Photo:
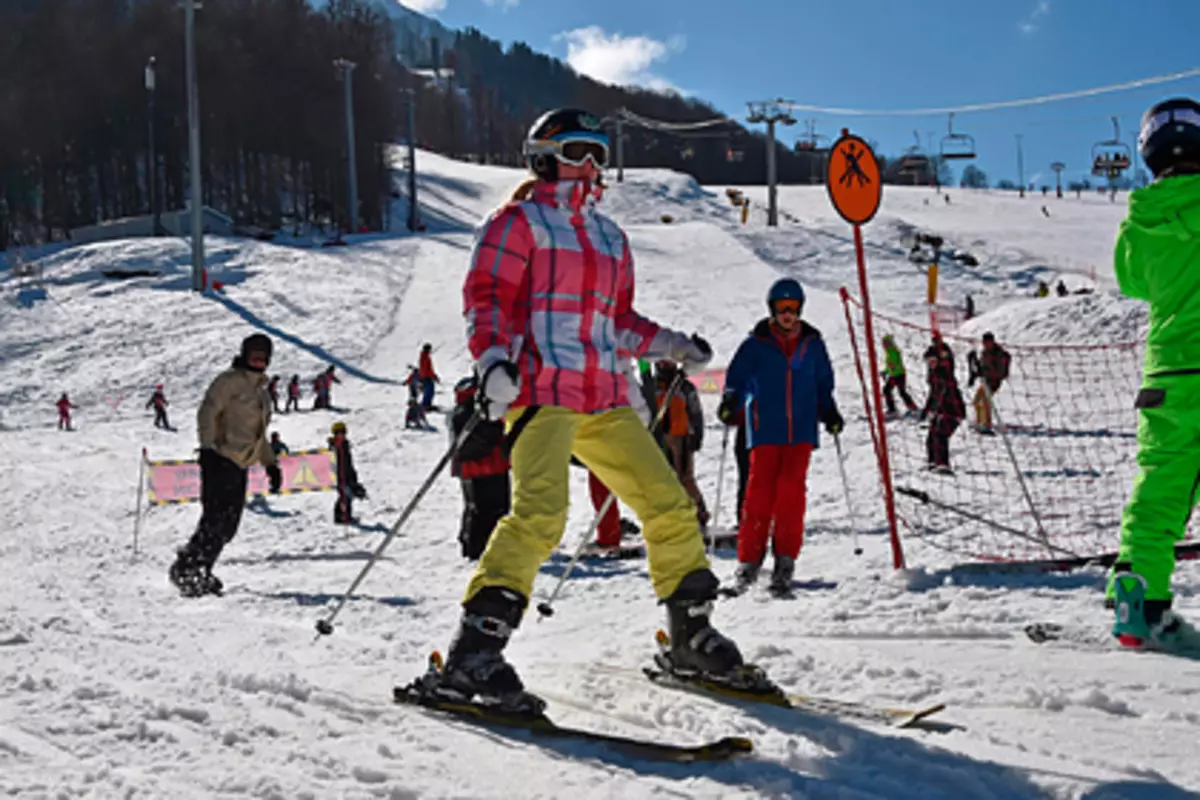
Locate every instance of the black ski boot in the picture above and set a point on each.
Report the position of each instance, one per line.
(475, 668)
(745, 577)
(191, 577)
(781, 576)
(696, 646)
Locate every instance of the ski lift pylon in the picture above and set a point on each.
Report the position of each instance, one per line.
(957, 146)
(1111, 157)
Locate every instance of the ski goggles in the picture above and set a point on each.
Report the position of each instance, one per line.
(1160, 120)
(787, 307)
(575, 149)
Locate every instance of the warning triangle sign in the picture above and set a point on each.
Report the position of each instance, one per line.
(709, 384)
(305, 478)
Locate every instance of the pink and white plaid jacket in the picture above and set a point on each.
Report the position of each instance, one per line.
(551, 288)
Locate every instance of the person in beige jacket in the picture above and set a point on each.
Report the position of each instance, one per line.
(232, 425)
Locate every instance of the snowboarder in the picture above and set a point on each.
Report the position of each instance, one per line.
(482, 467)
(944, 406)
(1157, 259)
(680, 433)
(293, 398)
(427, 376)
(64, 406)
(159, 401)
(992, 367)
(782, 380)
(895, 376)
(561, 396)
(273, 392)
(348, 487)
(232, 427)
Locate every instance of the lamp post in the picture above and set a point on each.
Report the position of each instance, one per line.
(152, 161)
(346, 68)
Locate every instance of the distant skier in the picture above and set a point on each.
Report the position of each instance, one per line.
(895, 376)
(158, 401)
(549, 305)
(782, 380)
(293, 398)
(413, 382)
(277, 445)
(944, 406)
(482, 469)
(348, 487)
(330, 380)
(415, 417)
(969, 308)
(273, 392)
(1061, 289)
(232, 427)
(1157, 259)
(992, 367)
(64, 406)
(427, 376)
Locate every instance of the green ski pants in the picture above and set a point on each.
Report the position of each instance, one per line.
(1164, 491)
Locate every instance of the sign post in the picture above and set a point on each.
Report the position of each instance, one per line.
(856, 189)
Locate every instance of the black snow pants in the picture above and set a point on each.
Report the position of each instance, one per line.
(486, 500)
(222, 498)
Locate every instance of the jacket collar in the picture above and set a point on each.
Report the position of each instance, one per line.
(576, 196)
(763, 330)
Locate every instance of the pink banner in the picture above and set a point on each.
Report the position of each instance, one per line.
(179, 481)
(711, 381)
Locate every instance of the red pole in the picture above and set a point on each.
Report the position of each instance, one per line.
(877, 393)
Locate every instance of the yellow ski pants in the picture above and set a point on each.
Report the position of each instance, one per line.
(624, 456)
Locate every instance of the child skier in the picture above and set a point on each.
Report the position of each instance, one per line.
(293, 398)
(895, 376)
(944, 407)
(482, 469)
(992, 367)
(277, 445)
(64, 406)
(1157, 259)
(159, 401)
(348, 487)
(413, 382)
(415, 418)
(273, 392)
(679, 431)
(548, 301)
(782, 380)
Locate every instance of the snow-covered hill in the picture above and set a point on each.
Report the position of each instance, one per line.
(112, 686)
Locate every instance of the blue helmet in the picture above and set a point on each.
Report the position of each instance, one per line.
(784, 289)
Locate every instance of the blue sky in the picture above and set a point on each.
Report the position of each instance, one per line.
(878, 54)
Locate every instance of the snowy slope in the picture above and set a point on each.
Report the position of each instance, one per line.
(110, 685)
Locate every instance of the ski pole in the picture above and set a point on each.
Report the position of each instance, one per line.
(837, 443)
(720, 483)
(325, 626)
(546, 607)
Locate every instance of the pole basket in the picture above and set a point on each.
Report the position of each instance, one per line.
(1045, 478)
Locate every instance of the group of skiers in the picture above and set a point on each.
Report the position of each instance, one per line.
(554, 335)
(322, 389)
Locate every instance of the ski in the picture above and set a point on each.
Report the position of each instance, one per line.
(637, 549)
(1093, 640)
(767, 692)
(419, 693)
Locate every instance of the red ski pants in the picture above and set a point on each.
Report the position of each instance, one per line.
(608, 532)
(775, 493)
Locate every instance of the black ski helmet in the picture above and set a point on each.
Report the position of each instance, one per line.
(784, 289)
(256, 343)
(1170, 135)
(555, 126)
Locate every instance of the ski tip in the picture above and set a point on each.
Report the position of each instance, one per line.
(661, 637)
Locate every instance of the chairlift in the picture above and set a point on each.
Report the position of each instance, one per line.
(957, 146)
(1111, 157)
(914, 161)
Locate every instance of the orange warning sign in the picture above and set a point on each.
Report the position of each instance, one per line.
(853, 180)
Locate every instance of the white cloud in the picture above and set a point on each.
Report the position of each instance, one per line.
(422, 6)
(618, 59)
(1033, 21)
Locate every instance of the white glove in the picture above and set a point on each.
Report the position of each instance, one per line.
(692, 353)
(499, 382)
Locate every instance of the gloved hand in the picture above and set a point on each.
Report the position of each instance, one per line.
(359, 491)
(728, 409)
(832, 419)
(696, 354)
(275, 477)
(499, 383)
